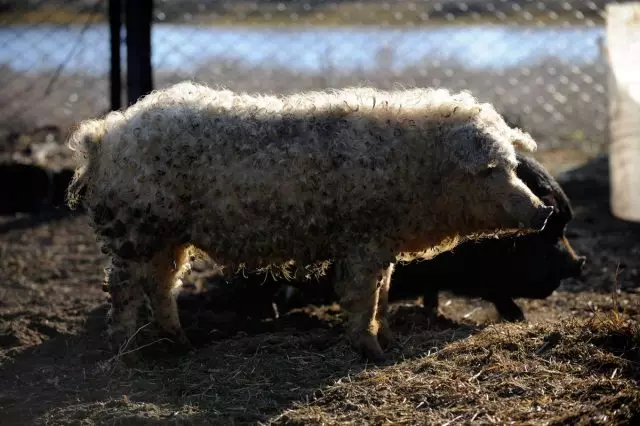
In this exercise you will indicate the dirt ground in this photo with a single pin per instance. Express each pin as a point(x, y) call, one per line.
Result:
point(576, 360)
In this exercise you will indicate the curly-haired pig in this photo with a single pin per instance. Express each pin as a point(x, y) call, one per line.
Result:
point(359, 176)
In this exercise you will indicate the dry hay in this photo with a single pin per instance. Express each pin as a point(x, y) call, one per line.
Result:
point(552, 374)
point(573, 371)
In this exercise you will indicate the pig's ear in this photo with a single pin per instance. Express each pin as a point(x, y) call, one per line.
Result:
point(522, 140)
point(468, 149)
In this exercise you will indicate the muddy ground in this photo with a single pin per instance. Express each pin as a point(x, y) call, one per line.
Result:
point(576, 360)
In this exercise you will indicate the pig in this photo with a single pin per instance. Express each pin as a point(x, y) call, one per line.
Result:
point(359, 176)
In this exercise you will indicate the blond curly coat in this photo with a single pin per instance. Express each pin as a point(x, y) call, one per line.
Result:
point(360, 176)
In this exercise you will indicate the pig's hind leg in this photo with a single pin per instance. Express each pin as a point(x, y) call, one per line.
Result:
point(430, 303)
point(132, 282)
point(126, 297)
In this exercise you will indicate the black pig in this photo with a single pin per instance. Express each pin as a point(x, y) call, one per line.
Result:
point(29, 188)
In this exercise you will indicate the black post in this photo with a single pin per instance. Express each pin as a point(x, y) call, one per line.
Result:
point(138, 16)
point(115, 77)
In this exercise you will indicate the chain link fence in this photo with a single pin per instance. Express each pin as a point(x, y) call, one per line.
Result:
point(54, 59)
point(540, 62)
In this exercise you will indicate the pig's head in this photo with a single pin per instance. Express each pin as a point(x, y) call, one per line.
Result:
point(546, 256)
point(479, 181)
point(530, 266)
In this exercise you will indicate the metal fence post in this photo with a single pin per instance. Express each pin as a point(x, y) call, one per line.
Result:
point(138, 16)
point(115, 77)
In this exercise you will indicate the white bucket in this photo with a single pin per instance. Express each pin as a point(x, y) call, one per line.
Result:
point(623, 53)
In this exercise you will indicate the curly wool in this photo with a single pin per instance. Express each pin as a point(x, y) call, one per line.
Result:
point(359, 176)
point(262, 179)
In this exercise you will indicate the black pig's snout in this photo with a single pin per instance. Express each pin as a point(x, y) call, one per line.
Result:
point(582, 260)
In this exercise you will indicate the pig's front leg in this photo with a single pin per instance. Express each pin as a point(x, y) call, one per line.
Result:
point(358, 280)
point(385, 335)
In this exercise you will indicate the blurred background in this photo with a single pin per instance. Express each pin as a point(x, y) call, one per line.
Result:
point(540, 62)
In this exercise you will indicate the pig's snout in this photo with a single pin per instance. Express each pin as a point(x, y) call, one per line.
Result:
point(579, 266)
point(540, 217)
point(582, 260)
point(572, 265)
point(525, 207)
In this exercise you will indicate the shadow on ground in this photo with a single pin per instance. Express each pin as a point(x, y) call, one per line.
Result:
point(259, 369)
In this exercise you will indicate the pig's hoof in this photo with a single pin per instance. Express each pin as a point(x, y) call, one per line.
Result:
point(385, 335)
point(179, 344)
point(124, 347)
point(516, 317)
point(120, 341)
point(183, 347)
point(430, 314)
point(367, 345)
point(509, 310)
